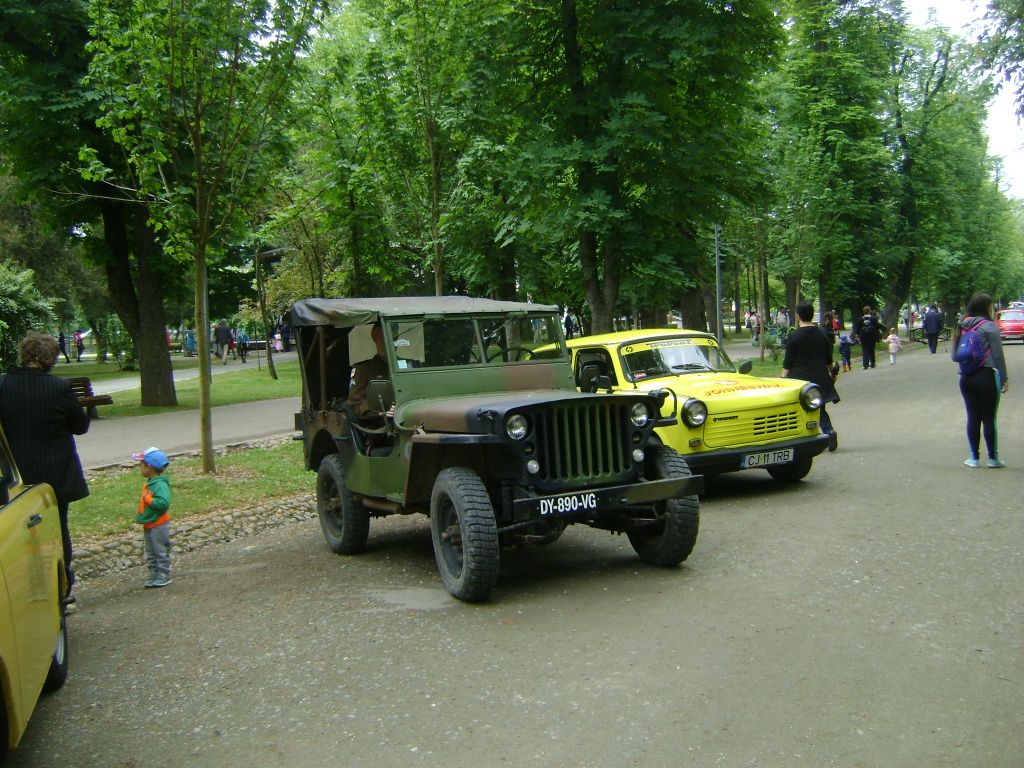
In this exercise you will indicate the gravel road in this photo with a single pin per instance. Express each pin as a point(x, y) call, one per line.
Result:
point(866, 617)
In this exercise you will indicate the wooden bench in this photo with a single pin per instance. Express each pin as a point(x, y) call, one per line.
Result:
point(82, 388)
point(917, 334)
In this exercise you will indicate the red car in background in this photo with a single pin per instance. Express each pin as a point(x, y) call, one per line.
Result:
point(1011, 324)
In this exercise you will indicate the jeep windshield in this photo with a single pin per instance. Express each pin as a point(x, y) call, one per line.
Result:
point(455, 341)
point(673, 356)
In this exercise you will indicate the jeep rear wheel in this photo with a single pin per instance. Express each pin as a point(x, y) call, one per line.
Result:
point(793, 472)
point(343, 518)
point(464, 533)
point(669, 541)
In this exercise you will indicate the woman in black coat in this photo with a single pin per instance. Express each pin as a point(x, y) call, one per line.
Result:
point(40, 416)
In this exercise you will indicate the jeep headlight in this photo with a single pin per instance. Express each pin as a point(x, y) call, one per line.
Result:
point(639, 415)
point(694, 412)
point(517, 426)
point(811, 397)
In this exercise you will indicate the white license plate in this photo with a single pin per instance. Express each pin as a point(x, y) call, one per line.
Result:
point(767, 458)
point(568, 504)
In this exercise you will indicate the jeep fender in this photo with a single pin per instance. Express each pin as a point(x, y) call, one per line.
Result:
point(430, 453)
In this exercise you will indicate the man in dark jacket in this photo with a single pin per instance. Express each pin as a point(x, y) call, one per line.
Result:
point(40, 416)
point(809, 357)
point(932, 327)
point(868, 332)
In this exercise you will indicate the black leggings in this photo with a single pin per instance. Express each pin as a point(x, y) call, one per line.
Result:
point(65, 535)
point(981, 396)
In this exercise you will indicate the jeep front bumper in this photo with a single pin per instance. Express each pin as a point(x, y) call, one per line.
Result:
point(592, 502)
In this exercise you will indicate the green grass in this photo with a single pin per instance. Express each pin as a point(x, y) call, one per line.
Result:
point(110, 370)
point(243, 479)
point(244, 385)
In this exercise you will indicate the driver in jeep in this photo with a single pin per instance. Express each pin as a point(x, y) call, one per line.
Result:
point(362, 374)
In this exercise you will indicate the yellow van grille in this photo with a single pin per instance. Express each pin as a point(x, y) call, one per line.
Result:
point(724, 430)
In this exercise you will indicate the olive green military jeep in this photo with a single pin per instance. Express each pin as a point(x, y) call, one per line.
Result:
point(496, 446)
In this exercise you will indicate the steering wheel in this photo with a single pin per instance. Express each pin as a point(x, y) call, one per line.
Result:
point(511, 354)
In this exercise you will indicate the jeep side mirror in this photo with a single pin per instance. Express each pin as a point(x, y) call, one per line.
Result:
point(746, 367)
point(603, 382)
point(381, 393)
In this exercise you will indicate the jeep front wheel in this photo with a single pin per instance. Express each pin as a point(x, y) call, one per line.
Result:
point(670, 540)
point(465, 534)
point(343, 518)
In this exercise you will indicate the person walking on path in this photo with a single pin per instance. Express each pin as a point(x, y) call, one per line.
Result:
point(62, 345)
point(79, 346)
point(895, 345)
point(982, 387)
point(809, 357)
point(845, 347)
point(868, 333)
point(152, 514)
point(932, 327)
point(222, 339)
point(242, 340)
point(40, 416)
point(828, 325)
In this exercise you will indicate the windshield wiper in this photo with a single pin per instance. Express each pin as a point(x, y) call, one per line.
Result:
point(692, 367)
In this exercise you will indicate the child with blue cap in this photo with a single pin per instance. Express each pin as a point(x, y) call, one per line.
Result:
point(153, 516)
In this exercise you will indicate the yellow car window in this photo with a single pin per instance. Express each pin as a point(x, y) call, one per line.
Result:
point(673, 357)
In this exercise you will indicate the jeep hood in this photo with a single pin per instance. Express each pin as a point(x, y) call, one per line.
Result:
point(483, 414)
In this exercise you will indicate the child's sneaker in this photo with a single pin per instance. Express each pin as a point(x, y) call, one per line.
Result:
point(149, 582)
point(972, 463)
point(160, 582)
point(996, 463)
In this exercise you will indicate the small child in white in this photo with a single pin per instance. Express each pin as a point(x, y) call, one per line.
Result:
point(152, 514)
point(895, 345)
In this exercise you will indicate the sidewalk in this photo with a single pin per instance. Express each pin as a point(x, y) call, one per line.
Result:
point(111, 440)
point(257, 360)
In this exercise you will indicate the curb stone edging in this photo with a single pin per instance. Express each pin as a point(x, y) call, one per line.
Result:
point(191, 533)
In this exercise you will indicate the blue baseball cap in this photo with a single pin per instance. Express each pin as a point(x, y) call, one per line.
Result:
point(154, 457)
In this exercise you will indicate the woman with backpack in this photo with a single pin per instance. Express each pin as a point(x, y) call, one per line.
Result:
point(979, 351)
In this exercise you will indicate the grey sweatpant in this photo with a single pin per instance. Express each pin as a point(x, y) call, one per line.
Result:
point(158, 551)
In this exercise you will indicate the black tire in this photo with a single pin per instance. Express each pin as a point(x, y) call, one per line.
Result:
point(671, 542)
point(343, 518)
point(58, 673)
point(464, 533)
point(3, 729)
point(793, 472)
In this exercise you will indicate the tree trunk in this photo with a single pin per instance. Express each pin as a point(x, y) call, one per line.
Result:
point(600, 290)
point(691, 308)
point(203, 350)
point(435, 206)
point(143, 320)
point(737, 304)
point(792, 293)
point(155, 371)
point(268, 325)
point(710, 312)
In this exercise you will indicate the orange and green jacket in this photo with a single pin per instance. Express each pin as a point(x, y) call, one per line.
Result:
point(154, 502)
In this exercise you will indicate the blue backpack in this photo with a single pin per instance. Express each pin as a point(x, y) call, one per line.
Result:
point(971, 350)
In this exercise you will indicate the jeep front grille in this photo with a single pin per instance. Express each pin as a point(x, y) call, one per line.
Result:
point(586, 441)
point(726, 430)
